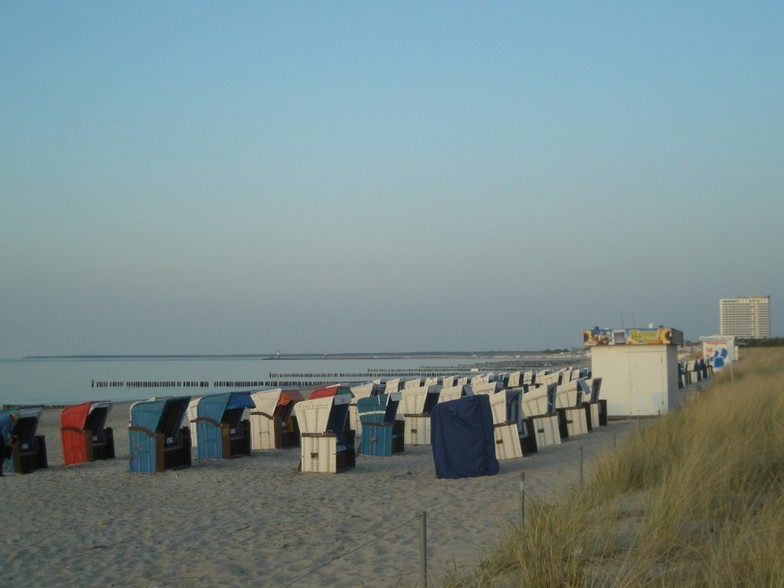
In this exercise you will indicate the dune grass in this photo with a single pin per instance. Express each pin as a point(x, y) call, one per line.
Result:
point(694, 498)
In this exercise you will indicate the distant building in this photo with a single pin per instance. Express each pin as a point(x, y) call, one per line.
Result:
point(746, 317)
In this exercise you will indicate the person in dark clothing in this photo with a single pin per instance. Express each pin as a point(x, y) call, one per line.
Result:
point(7, 422)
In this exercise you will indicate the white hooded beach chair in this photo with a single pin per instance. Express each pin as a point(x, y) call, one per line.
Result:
point(272, 422)
point(415, 407)
point(597, 407)
point(264, 432)
point(483, 378)
point(409, 383)
point(568, 401)
point(486, 387)
point(325, 443)
point(448, 381)
point(505, 406)
point(454, 392)
point(544, 379)
point(695, 374)
point(393, 385)
point(539, 410)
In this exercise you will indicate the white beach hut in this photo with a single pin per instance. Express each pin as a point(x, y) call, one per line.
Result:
point(638, 367)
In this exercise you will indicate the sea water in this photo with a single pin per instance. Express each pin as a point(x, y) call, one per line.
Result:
point(61, 381)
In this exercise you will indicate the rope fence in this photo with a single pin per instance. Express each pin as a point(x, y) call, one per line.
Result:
point(422, 517)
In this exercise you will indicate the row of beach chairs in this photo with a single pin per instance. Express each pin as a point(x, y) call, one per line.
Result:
point(332, 426)
point(693, 371)
point(83, 434)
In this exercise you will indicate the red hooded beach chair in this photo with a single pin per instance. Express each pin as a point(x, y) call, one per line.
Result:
point(84, 434)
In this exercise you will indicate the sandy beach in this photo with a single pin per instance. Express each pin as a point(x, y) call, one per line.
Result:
point(256, 521)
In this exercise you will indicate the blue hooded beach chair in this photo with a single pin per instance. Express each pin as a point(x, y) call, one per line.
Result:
point(222, 433)
point(157, 441)
point(382, 435)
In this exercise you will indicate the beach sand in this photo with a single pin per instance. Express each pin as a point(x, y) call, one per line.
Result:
point(256, 521)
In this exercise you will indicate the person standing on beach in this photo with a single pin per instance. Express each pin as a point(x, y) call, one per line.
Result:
point(7, 422)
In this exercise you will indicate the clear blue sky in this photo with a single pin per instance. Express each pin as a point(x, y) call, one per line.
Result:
point(243, 177)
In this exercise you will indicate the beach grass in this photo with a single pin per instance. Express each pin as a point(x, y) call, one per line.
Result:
point(693, 498)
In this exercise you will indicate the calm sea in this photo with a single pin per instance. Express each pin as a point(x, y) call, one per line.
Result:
point(64, 381)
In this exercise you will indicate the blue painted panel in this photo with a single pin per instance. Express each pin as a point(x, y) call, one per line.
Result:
point(376, 439)
point(142, 449)
point(377, 408)
point(240, 400)
point(209, 440)
point(220, 408)
point(214, 406)
point(147, 414)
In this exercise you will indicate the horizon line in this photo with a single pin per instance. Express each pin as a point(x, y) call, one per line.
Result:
point(277, 355)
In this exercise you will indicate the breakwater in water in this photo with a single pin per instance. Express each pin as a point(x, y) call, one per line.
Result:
point(68, 380)
point(204, 384)
point(301, 380)
point(310, 379)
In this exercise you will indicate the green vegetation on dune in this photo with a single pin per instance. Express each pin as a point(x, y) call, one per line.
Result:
point(695, 498)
